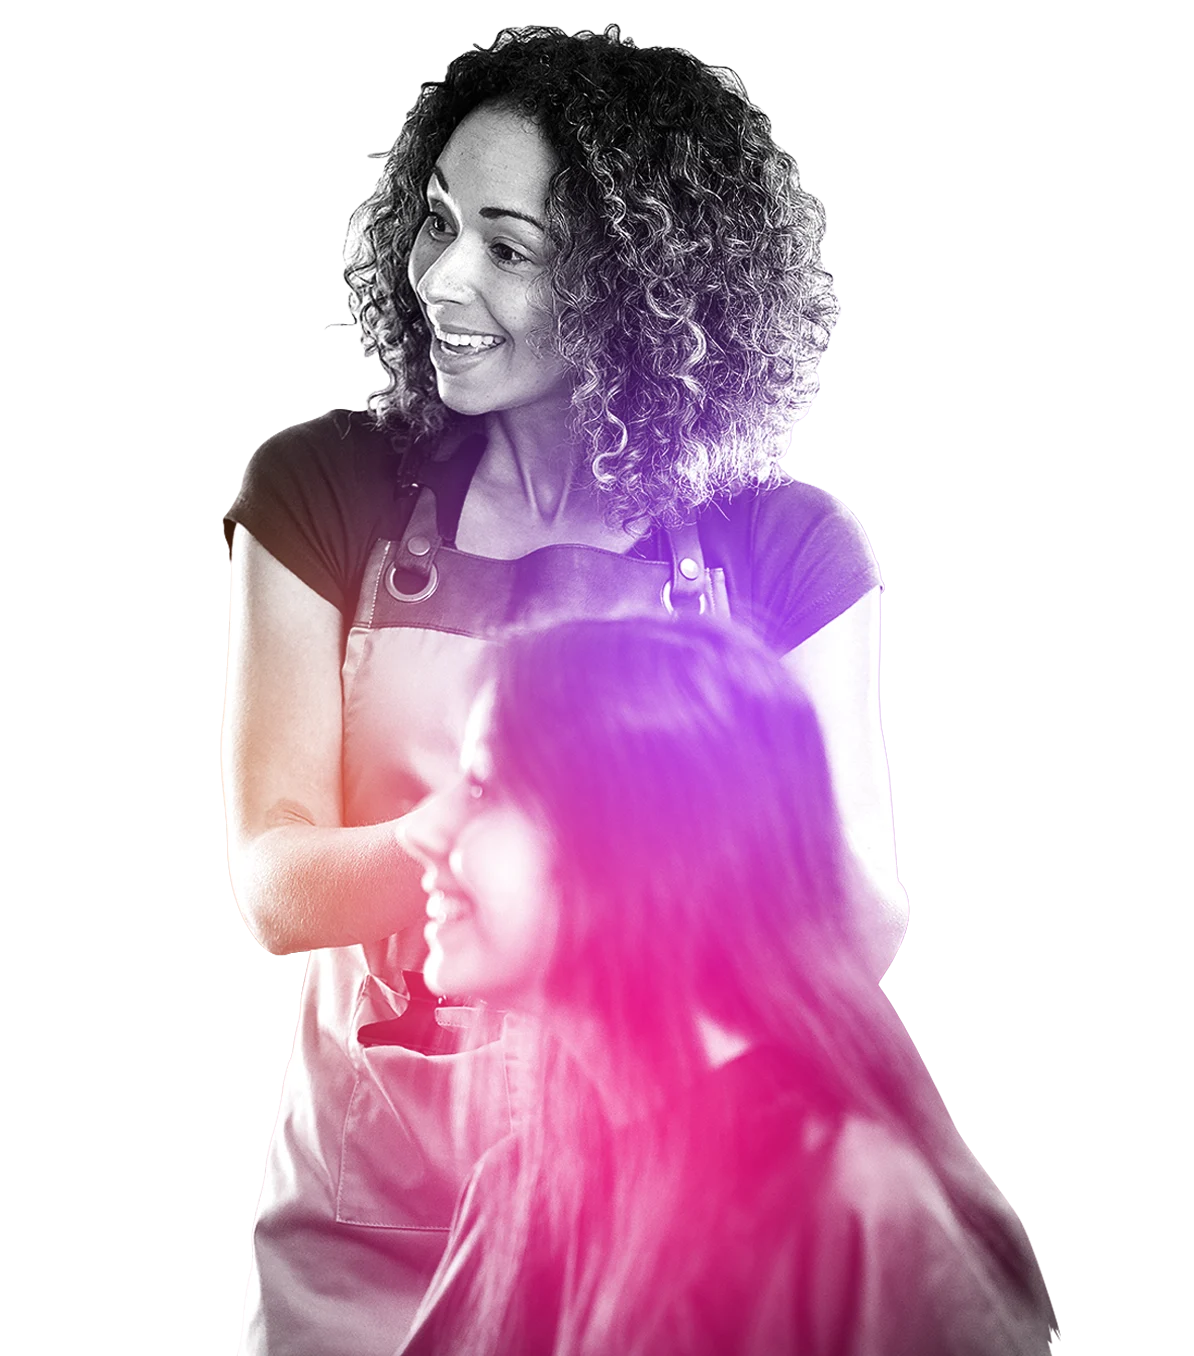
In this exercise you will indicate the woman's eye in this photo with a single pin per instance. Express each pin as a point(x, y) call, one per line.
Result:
point(438, 225)
point(507, 254)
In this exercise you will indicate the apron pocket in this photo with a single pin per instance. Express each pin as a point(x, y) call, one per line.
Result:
point(415, 1127)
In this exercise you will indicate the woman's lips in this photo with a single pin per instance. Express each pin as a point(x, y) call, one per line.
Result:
point(460, 339)
point(446, 908)
point(442, 911)
point(450, 359)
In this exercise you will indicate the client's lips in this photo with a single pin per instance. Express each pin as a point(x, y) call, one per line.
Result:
point(443, 907)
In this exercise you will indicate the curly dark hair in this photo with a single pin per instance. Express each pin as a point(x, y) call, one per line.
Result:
point(686, 288)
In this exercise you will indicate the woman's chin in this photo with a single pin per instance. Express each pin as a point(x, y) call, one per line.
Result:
point(444, 976)
point(463, 402)
point(437, 972)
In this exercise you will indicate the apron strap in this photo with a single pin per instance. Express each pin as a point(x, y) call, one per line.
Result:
point(450, 476)
point(417, 550)
point(412, 575)
point(689, 589)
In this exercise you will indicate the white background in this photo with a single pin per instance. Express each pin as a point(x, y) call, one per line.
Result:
point(176, 181)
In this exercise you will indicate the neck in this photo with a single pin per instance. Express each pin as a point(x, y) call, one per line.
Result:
point(531, 452)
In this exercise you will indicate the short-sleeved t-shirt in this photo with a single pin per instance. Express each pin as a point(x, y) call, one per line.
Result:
point(317, 497)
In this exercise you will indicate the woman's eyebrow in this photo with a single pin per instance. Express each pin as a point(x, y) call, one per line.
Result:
point(491, 213)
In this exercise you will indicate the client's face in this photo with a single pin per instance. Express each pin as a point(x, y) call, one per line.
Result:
point(491, 900)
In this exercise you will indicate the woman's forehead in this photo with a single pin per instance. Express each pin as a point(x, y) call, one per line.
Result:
point(497, 158)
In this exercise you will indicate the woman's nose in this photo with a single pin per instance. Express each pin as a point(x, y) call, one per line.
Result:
point(427, 830)
point(451, 276)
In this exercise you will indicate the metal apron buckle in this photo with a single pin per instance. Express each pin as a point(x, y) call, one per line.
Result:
point(665, 597)
point(391, 582)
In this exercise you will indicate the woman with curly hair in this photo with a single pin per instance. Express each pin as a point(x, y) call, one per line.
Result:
point(595, 287)
point(731, 1145)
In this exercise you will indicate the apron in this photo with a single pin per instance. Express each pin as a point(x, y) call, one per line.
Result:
point(391, 1097)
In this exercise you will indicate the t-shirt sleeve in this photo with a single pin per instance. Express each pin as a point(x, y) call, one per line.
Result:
point(810, 561)
point(314, 496)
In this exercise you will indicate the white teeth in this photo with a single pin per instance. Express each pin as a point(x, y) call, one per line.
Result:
point(466, 340)
point(442, 908)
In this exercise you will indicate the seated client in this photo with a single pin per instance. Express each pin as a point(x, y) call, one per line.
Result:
point(726, 1140)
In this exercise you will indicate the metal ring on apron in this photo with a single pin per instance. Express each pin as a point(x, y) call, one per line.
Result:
point(428, 588)
point(665, 597)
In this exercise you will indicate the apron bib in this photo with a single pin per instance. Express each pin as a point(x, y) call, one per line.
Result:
point(391, 1097)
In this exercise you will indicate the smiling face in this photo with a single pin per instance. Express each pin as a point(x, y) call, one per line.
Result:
point(491, 896)
point(479, 267)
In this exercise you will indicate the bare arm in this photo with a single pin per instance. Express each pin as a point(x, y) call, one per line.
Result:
point(301, 879)
point(838, 668)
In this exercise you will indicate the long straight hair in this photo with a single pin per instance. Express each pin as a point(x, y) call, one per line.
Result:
point(701, 869)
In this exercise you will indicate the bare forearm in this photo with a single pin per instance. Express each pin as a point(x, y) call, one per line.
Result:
point(301, 887)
